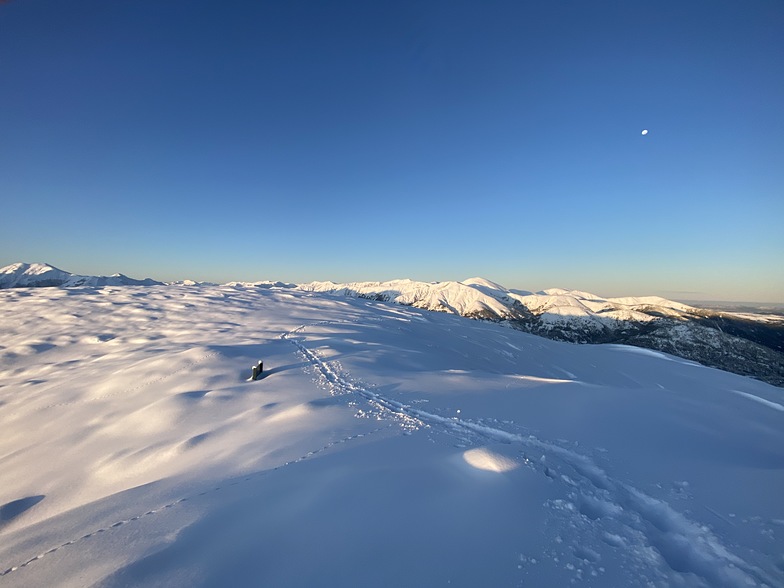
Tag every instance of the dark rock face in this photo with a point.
(744, 347)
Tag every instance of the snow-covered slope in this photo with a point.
(743, 344)
(24, 275)
(18, 275)
(481, 298)
(384, 445)
(471, 300)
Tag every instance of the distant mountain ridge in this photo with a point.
(746, 344)
(480, 298)
(39, 275)
(743, 343)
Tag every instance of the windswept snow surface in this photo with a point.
(384, 446)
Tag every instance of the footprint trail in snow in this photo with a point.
(653, 534)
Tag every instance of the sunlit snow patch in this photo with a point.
(764, 402)
(483, 459)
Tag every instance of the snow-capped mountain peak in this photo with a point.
(482, 298)
(732, 342)
(36, 275)
(31, 274)
(476, 301)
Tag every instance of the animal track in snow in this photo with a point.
(151, 512)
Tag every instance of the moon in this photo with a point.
(645, 131)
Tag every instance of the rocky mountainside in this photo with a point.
(37, 275)
(747, 344)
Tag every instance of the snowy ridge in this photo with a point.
(36, 275)
(471, 300)
(652, 301)
(260, 284)
(190, 283)
(481, 298)
(19, 275)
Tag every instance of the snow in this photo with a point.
(657, 301)
(190, 283)
(761, 318)
(19, 275)
(558, 305)
(768, 403)
(384, 445)
(452, 297)
(479, 297)
(474, 297)
(22, 274)
(484, 283)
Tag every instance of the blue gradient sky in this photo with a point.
(374, 140)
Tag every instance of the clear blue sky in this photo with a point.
(358, 140)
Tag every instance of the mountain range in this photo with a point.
(744, 343)
(36, 275)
